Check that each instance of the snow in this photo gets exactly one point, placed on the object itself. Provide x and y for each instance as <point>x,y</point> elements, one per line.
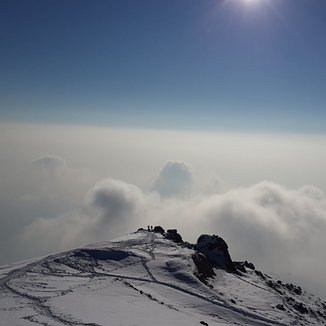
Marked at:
<point>144,279</point>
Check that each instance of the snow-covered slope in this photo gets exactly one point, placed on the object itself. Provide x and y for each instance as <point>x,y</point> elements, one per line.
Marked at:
<point>146,279</point>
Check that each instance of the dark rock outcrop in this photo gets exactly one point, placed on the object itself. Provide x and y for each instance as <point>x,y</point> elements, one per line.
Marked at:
<point>239,266</point>
<point>216,250</point>
<point>158,229</point>
<point>173,235</point>
<point>204,267</point>
<point>300,307</point>
<point>242,265</point>
<point>203,323</point>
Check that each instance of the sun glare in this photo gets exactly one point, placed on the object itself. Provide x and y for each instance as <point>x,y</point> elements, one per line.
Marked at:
<point>254,3</point>
<point>251,1</point>
<point>247,2</point>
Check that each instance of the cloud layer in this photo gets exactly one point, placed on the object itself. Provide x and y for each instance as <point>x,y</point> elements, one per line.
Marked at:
<point>280,230</point>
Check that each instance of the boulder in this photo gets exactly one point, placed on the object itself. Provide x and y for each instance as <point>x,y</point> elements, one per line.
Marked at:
<point>158,229</point>
<point>216,250</point>
<point>173,235</point>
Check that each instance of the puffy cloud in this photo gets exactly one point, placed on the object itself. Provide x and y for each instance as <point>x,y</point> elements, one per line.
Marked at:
<point>175,179</point>
<point>50,163</point>
<point>278,229</point>
<point>116,199</point>
<point>112,207</point>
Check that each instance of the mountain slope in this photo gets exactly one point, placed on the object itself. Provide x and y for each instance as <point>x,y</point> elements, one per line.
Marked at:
<point>146,279</point>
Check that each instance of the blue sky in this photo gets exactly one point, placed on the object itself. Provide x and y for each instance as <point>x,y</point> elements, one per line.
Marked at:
<point>237,65</point>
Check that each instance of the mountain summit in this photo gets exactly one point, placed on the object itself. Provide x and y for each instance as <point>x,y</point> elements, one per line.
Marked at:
<point>150,277</point>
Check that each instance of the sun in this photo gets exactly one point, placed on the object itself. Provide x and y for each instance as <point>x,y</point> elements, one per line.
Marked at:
<point>251,1</point>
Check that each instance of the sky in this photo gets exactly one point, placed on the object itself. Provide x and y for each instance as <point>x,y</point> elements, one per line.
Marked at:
<point>205,116</point>
<point>221,64</point>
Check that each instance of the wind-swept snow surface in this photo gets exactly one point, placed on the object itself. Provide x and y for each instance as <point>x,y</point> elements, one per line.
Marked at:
<point>145,279</point>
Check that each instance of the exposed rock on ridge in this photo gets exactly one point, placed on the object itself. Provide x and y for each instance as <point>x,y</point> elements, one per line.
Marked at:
<point>216,251</point>
<point>211,250</point>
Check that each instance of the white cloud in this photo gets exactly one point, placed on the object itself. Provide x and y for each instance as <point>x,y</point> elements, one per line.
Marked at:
<point>116,200</point>
<point>278,229</point>
<point>111,207</point>
<point>175,179</point>
<point>56,204</point>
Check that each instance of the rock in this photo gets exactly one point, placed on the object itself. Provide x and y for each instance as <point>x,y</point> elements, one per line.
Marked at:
<point>260,274</point>
<point>173,235</point>
<point>239,266</point>
<point>158,229</point>
<point>280,307</point>
<point>204,267</point>
<point>203,323</point>
<point>249,265</point>
<point>216,250</point>
<point>242,265</point>
<point>300,307</point>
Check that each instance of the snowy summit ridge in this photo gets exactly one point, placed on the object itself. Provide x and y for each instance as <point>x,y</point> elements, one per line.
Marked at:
<point>150,277</point>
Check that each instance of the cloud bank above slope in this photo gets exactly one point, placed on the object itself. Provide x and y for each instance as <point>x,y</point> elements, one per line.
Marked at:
<point>278,229</point>
<point>53,202</point>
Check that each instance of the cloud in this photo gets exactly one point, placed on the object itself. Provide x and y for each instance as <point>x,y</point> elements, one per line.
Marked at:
<point>116,199</point>
<point>175,179</point>
<point>267,216</point>
<point>111,207</point>
<point>43,189</point>
<point>48,235</point>
<point>212,185</point>
<point>280,229</point>
<point>46,203</point>
<point>50,163</point>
